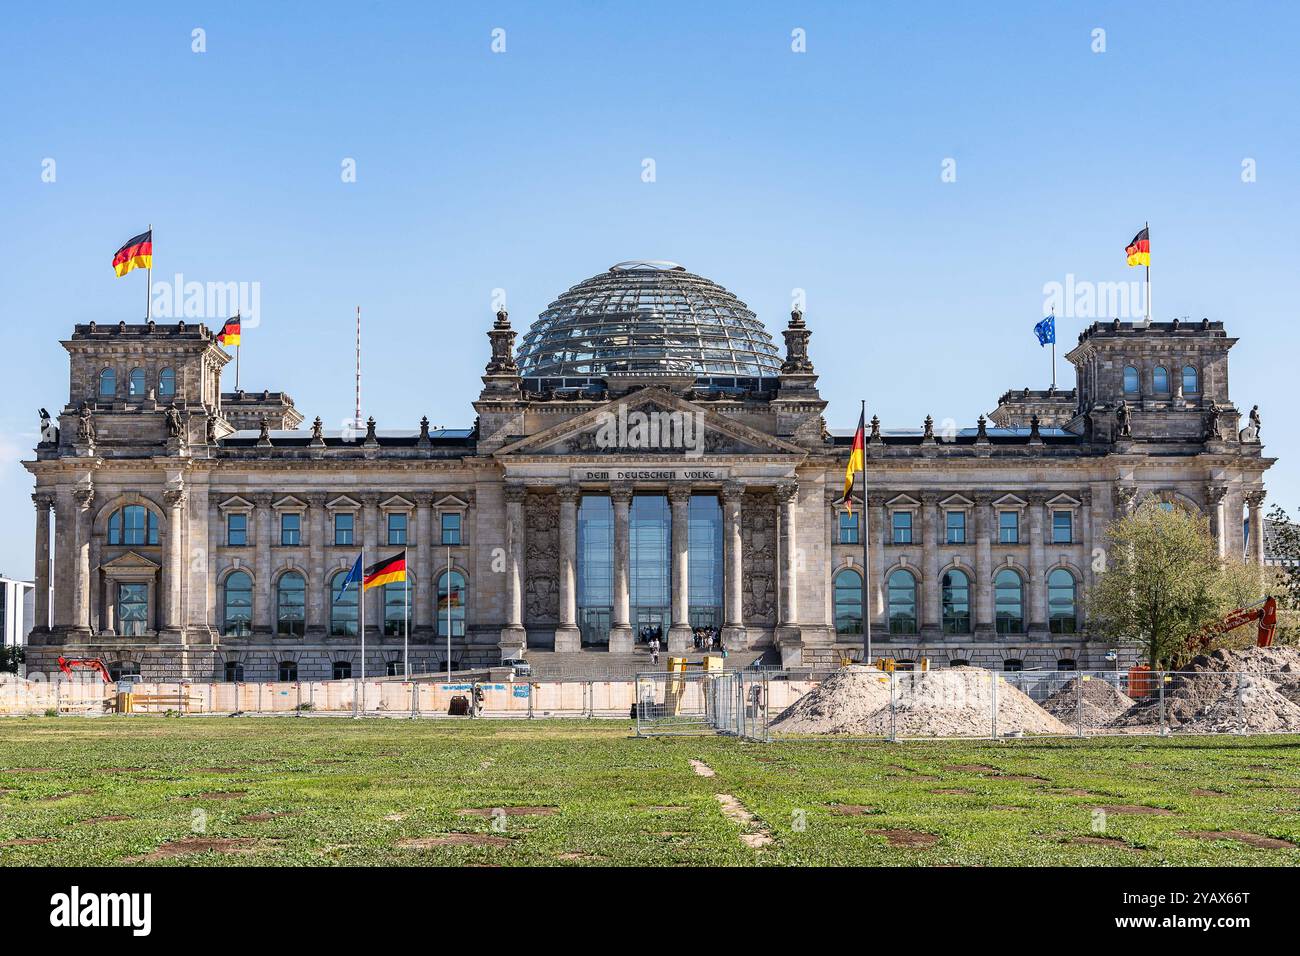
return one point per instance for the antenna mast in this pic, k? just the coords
(357, 420)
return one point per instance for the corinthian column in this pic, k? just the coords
(318, 586)
(620, 632)
(679, 633)
(1214, 495)
(983, 585)
(1037, 554)
(82, 498)
(733, 627)
(264, 518)
(787, 497)
(174, 567)
(422, 595)
(513, 636)
(41, 593)
(567, 635)
(1255, 502)
(930, 588)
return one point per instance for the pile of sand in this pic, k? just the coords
(1204, 696)
(956, 702)
(1101, 702)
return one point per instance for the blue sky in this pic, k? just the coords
(774, 170)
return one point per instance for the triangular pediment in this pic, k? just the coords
(955, 502)
(652, 421)
(451, 503)
(397, 503)
(130, 561)
(902, 501)
(1063, 501)
(289, 503)
(235, 503)
(1010, 501)
(343, 503)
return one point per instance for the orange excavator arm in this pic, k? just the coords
(69, 664)
(1265, 612)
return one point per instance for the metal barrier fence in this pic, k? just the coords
(689, 703)
(972, 703)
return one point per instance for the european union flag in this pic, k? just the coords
(1046, 331)
(353, 576)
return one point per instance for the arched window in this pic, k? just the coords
(234, 672)
(959, 662)
(133, 525)
(1067, 664)
(343, 607)
(107, 383)
(291, 605)
(135, 384)
(848, 602)
(902, 603)
(237, 604)
(451, 603)
(1160, 380)
(124, 670)
(1191, 380)
(1130, 380)
(167, 383)
(1061, 614)
(288, 671)
(956, 603)
(1012, 664)
(342, 670)
(395, 669)
(397, 608)
(1009, 602)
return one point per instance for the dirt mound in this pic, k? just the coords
(1209, 701)
(1093, 701)
(1280, 665)
(940, 703)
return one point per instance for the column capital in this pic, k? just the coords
(1255, 497)
(621, 492)
(369, 499)
(929, 498)
(176, 498)
(568, 493)
(679, 494)
(424, 499)
(733, 491)
(43, 500)
(787, 491)
(515, 493)
(262, 499)
(1214, 493)
(83, 497)
(317, 500)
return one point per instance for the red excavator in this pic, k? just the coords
(69, 664)
(1265, 612)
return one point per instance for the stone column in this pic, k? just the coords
(513, 636)
(787, 498)
(930, 587)
(41, 591)
(423, 572)
(82, 498)
(679, 633)
(174, 564)
(1255, 503)
(374, 598)
(733, 626)
(983, 589)
(567, 635)
(264, 518)
(318, 585)
(1214, 496)
(620, 633)
(1037, 577)
(877, 528)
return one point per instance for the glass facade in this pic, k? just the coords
(1009, 602)
(650, 578)
(704, 561)
(956, 603)
(132, 609)
(595, 560)
(848, 602)
(647, 316)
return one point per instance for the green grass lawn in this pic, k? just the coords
(337, 791)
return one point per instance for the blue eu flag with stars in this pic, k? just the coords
(1046, 331)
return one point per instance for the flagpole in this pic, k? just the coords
(361, 596)
(1147, 226)
(148, 280)
(866, 545)
(406, 619)
(238, 347)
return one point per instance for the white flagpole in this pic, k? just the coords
(361, 597)
(1147, 227)
(148, 280)
(448, 580)
(406, 619)
(866, 542)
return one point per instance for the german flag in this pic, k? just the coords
(388, 571)
(229, 334)
(137, 253)
(855, 459)
(1139, 250)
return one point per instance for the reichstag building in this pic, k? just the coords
(645, 457)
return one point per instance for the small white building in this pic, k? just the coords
(17, 611)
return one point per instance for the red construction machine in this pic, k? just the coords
(70, 664)
(1264, 612)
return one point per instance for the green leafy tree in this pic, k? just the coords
(1285, 547)
(1164, 581)
(10, 658)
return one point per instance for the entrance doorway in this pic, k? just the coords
(593, 624)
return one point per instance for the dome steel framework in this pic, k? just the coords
(647, 315)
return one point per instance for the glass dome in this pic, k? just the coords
(647, 315)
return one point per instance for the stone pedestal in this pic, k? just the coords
(621, 640)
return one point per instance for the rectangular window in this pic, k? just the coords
(397, 529)
(449, 522)
(1008, 527)
(236, 530)
(902, 527)
(343, 528)
(849, 528)
(291, 529)
(955, 523)
(1062, 527)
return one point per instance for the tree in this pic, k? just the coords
(1164, 581)
(1285, 546)
(10, 658)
